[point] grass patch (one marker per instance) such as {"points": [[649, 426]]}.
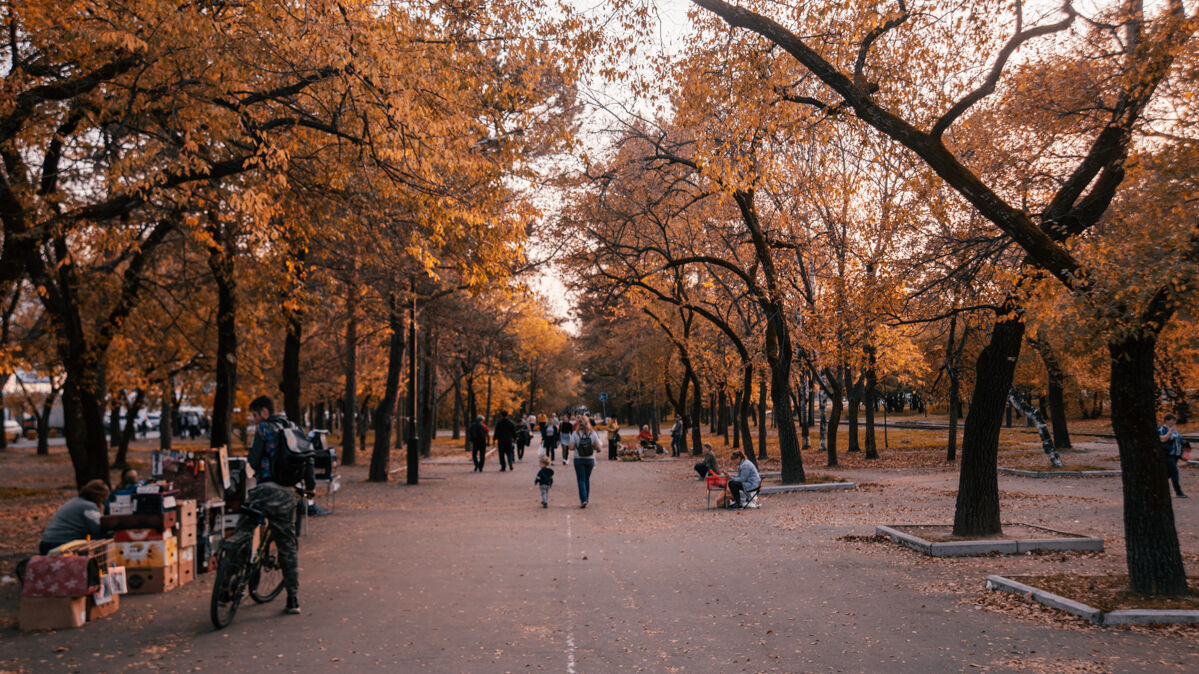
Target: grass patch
{"points": [[824, 479], [1109, 593]]}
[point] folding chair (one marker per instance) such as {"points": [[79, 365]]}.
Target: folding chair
{"points": [[751, 497], [715, 483]]}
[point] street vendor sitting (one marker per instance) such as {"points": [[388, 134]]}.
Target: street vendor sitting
{"points": [[646, 439], [77, 518]]}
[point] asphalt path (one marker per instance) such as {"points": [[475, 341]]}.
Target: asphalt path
{"points": [[467, 573]]}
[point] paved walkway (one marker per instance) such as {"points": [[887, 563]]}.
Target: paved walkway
{"points": [[468, 573]]}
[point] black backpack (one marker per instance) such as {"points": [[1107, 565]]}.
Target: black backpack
{"points": [[585, 447], [293, 451]]}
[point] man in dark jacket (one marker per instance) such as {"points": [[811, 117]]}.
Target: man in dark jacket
{"points": [[505, 435], [273, 496], [477, 435]]}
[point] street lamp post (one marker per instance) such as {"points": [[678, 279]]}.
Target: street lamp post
{"points": [[413, 438]]}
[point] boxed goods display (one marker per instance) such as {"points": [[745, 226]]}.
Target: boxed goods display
{"points": [[52, 613], [140, 554], [139, 535], [159, 521], [147, 580], [101, 608], [187, 523], [187, 565], [65, 576]]}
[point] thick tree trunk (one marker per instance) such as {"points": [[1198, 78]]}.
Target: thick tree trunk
{"points": [[762, 415], [349, 450], [854, 389], [135, 407], [955, 383], [381, 455], [457, 416], [290, 386], [43, 423], [977, 511], [697, 402], [225, 391], [744, 411], [779, 353], [834, 422], [810, 417], [428, 427], [1155, 565], [83, 417], [734, 416], [166, 423]]}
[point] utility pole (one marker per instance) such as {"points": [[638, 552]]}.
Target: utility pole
{"points": [[413, 440]]}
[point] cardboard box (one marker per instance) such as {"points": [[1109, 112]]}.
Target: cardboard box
{"points": [[143, 554], [159, 521], [140, 535], [147, 580], [96, 611], [187, 513], [187, 565], [187, 537], [53, 613]]}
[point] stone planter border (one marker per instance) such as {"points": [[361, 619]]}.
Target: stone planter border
{"points": [[827, 486], [1057, 540], [1094, 615], [1059, 473]]}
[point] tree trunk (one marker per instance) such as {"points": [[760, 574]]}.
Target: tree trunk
{"points": [[1155, 565], [955, 382], [428, 429], [381, 454], [221, 254], [735, 414], [871, 396], [697, 402], [744, 411], [349, 450], [83, 418], [122, 459], [761, 415], [977, 511], [1057, 397], [43, 423], [290, 386], [834, 422], [854, 390], [166, 424], [810, 417], [457, 417]]}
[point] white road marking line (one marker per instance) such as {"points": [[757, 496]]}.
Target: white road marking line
{"points": [[570, 627]]}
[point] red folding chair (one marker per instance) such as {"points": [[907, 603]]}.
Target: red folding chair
{"points": [[715, 483]]}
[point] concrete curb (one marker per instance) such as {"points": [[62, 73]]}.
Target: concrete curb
{"points": [[830, 486], [1061, 541], [1094, 615], [1059, 473]]}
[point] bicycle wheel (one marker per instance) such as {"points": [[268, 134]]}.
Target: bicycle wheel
{"points": [[228, 586], [266, 579]]}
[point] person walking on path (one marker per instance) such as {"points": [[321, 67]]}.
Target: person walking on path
{"points": [[544, 480], [746, 478], [584, 442], [708, 465], [477, 436], [676, 437], [505, 435], [1171, 451], [613, 438], [524, 437], [549, 436], [565, 428]]}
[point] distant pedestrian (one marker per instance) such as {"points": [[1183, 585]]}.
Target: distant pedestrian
{"points": [[549, 436], [1171, 451], [613, 438], [544, 480], [505, 437], [524, 437], [584, 442], [477, 435], [565, 428], [676, 437]]}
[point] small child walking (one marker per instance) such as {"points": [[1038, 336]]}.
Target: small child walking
{"points": [[544, 479]]}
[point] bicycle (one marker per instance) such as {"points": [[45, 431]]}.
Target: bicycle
{"points": [[240, 567]]}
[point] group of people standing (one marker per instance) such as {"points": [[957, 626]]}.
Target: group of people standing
{"points": [[577, 438]]}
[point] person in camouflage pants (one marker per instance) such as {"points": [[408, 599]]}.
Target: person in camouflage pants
{"points": [[278, 503]]}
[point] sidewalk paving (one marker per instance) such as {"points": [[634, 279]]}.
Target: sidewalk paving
{"points": [[469, 574]]}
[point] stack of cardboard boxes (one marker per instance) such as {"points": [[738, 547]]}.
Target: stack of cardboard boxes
{"points": [[76, 583], [146, 544]]}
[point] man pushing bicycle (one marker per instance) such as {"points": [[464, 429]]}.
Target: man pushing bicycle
{"points": [[279, 466]]}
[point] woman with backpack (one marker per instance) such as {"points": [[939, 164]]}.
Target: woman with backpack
{"points": [[584, 442]]}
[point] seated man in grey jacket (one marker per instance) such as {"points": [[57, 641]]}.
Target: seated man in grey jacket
{"points": [[77, 518], [747, 478]]}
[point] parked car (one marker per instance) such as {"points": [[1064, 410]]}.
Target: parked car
{"points": [[12, 430], [29, 426]]}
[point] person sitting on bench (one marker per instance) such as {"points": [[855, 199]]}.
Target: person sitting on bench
{"points": [[646, 439], [747, 478], [708, 465]]}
